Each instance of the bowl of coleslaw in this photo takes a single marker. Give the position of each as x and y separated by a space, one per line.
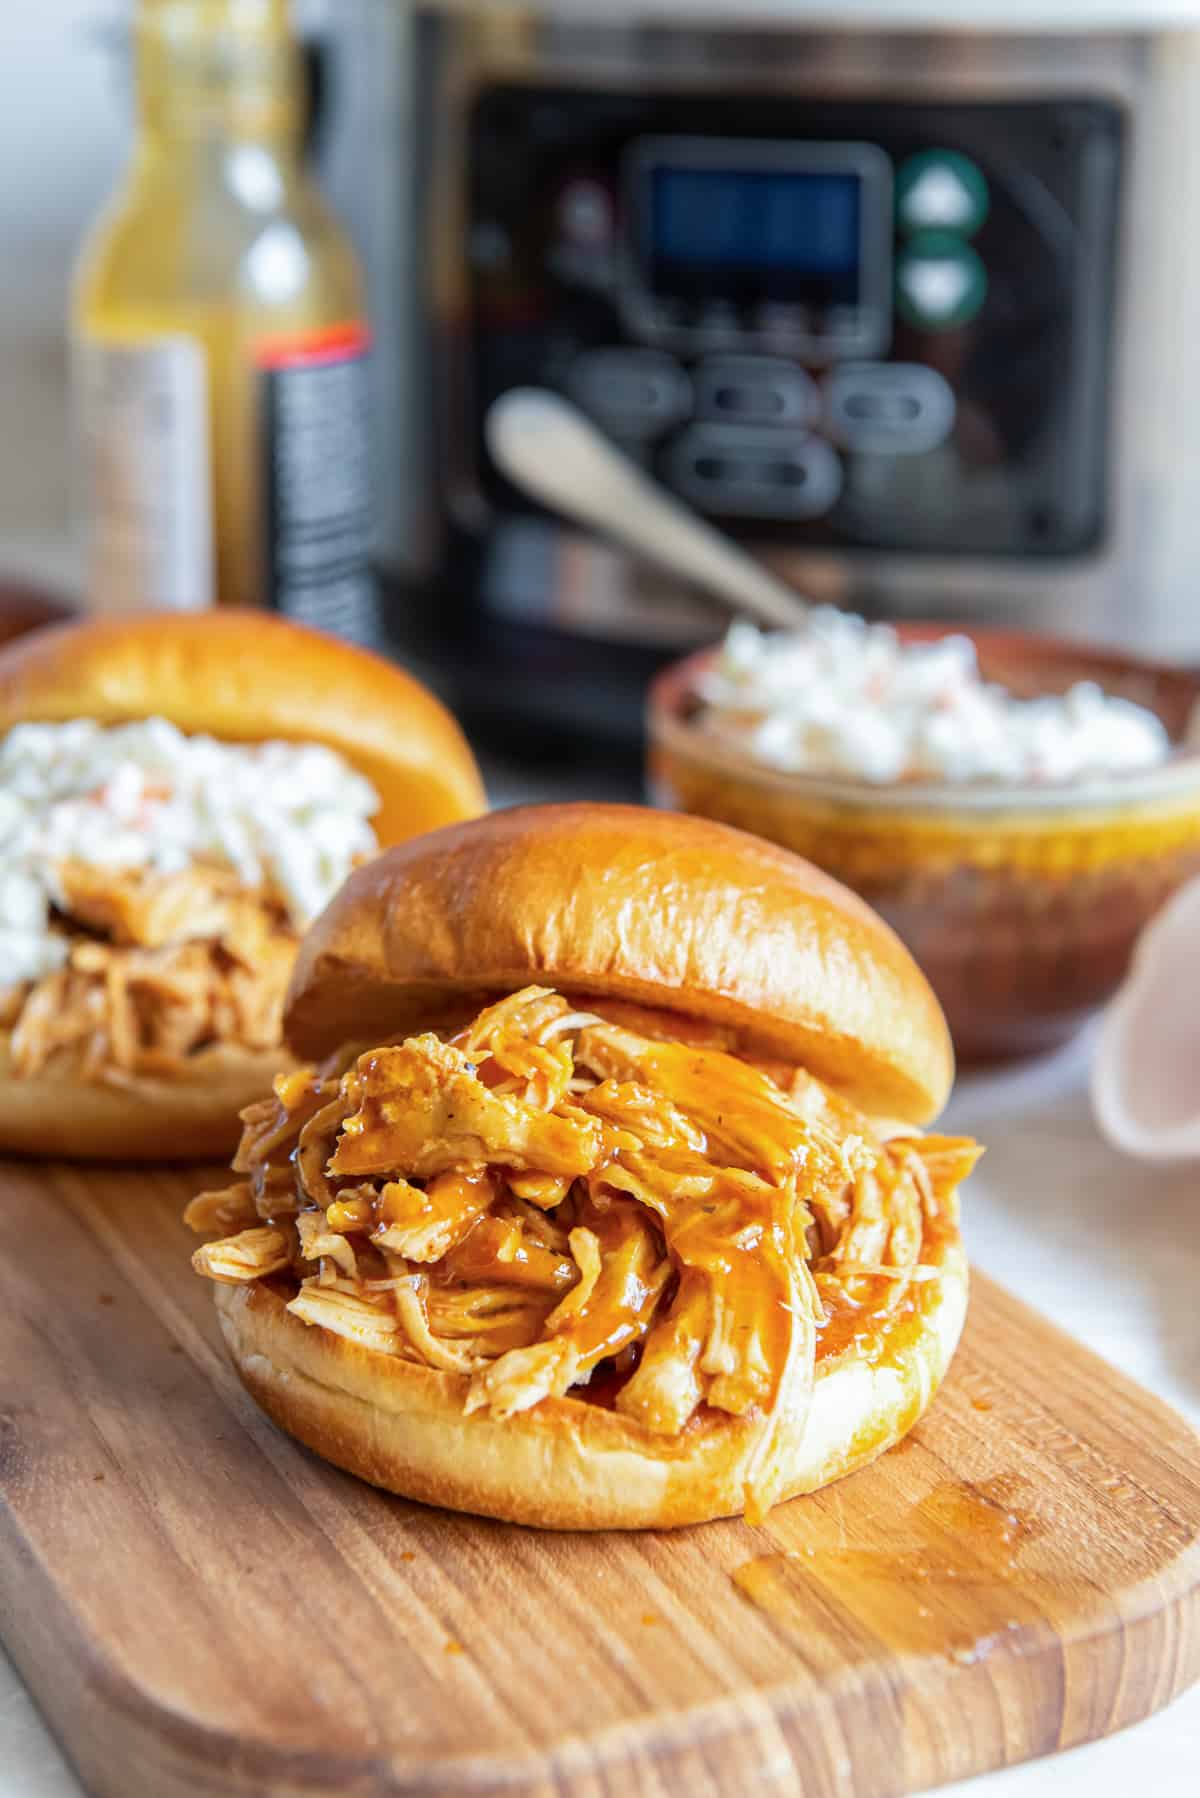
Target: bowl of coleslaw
1016 807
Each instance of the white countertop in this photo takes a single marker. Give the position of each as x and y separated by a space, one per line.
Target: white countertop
1049 1196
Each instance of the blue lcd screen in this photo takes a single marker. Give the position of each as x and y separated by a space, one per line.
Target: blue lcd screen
805 222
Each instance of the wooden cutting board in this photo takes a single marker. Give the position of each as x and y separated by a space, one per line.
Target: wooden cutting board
201 1607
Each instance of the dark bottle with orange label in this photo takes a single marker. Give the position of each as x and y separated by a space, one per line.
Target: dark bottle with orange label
219 342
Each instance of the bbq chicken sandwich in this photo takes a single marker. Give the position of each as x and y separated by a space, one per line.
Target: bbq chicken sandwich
179 796
585 1213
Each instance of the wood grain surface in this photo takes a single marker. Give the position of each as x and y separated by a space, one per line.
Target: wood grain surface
201 1607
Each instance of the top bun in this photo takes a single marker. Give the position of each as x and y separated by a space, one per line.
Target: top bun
615 901
247 676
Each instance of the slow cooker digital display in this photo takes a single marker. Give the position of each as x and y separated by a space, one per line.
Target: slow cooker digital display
796 221
760 241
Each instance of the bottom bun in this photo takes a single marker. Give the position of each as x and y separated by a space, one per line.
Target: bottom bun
567 1464
56 1113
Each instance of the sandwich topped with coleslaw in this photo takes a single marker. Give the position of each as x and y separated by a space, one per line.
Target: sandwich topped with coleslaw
179 796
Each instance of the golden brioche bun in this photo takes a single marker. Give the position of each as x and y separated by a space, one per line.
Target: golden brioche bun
567 1464
637 907
674 912
194 1118
245 676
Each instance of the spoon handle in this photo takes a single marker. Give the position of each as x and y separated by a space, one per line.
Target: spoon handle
549 448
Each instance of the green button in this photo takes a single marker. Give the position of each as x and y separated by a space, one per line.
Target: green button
940 281
941 190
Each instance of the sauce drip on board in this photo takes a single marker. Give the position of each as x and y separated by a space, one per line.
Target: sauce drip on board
957 1537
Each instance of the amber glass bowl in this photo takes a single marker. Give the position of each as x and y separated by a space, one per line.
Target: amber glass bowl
1022 903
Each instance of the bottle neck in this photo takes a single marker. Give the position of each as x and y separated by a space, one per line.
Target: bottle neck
218 73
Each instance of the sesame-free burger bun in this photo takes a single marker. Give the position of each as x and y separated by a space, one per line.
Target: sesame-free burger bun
243 677
683 916
247 676
621 902
193 1118
568 1464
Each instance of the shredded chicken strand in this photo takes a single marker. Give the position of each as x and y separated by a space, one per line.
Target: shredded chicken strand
159 967
421 1108
250 1255
552 1190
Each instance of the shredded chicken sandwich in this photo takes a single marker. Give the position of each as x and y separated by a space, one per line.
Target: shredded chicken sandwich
605 1203
154 887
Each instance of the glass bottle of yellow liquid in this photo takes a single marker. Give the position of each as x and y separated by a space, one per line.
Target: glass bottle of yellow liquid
219 341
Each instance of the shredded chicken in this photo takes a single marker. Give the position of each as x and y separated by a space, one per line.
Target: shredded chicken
148 912
159 967
549 1192
421 1106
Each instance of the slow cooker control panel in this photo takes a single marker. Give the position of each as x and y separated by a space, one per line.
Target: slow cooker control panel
853 325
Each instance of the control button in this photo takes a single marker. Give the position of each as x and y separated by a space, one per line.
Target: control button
755 390
755 474
489 246
941 190
782 321
940 281
585 213
717 322
889 408
653 316
638 391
